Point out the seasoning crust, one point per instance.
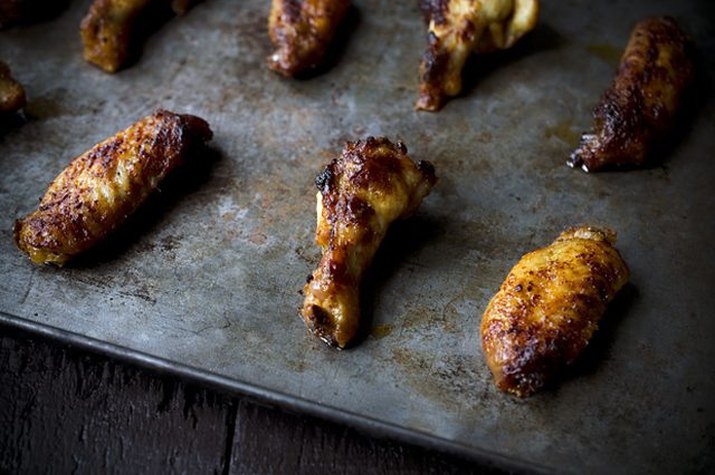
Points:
(102, 187)
(373, 183)
(457, 28)
(548, 308)
(640, 106)
(302, 31)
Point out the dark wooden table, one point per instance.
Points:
(67, 410)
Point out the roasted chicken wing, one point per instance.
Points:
(12, 94)
(459, 27)
(301, 31)
(372, 184)
(640, 106)
(548, 308)
(102, 187)
(108, 29)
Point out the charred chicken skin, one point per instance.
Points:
(102, 187)
(12, 94)
(301, 31)
(107, 30)
(458, 28)
(548, 308)
(640, 106)
(372, 184)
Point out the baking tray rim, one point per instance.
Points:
(271, 397)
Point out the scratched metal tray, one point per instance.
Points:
(204, 280)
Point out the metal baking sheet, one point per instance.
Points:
(205, 279)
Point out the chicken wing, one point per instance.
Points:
(12, 94)
(108, 29)
(102, 187)
(372, 184)
(548, 308)
(301, 31)
(459, 27)
(640, 106)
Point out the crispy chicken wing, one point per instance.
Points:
(12, 94)
(459, 27)
(372, 184)
(107, 30)
(301, 31)
(640, 106)
(13, 12)
(102, 187)
(548, 308)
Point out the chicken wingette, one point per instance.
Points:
(640, 107)
(12, 94)
(107, 30)
(548, 308)
(302, 31)
(102, 187)
(457, 28)
(373, 183)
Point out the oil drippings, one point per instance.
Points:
(606, 52)
(563, 131)
(381, 331)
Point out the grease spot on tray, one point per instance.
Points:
(606, 52)
(449, 380)
(381, 331)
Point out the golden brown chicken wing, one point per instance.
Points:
(102, 187)
(459, 27)
(548, 308)
(12, 94)
(369, 186)
(640, 106)
(107, 30)
(301, 31)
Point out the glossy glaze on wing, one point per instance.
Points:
(548, 308)
(372, 184)
(301, 31)
(102, 187)
(640, 106)
(457, 28)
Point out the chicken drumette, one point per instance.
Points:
(372, 184)
(459, 27)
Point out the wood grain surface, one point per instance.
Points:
(65, 410)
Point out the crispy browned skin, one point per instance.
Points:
(639, 108)
(459, 27)
(108, 28)
(548, 308)
(369, 186)
(301, 31)
(12, 94)
(102, 187)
